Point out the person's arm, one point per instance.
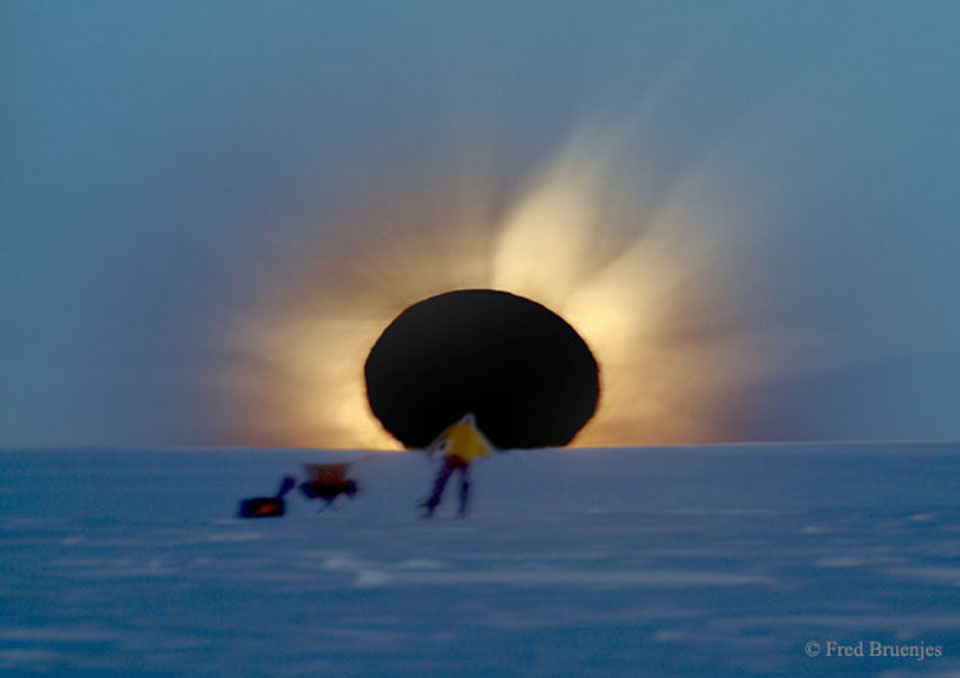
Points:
(438, 445)
(490, 447)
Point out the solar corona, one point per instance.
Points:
(566, 311)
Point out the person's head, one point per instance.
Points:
(468, 418)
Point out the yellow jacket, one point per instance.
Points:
(463, 441)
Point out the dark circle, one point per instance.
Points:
(520, 368)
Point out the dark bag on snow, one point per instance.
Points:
(267, 507)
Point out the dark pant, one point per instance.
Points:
(450, 464)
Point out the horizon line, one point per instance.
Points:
(612, 446)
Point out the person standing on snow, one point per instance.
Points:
(460, 444)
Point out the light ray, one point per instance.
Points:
(636, 285)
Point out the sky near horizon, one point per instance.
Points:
(166, 167)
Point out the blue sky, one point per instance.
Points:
(152, 153)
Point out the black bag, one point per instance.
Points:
(267, 507)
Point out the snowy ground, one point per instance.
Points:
(704, 562)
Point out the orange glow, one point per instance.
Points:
(642, 287)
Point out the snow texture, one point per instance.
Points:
(705, 562)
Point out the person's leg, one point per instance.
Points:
(464, 489)
(438, 486)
